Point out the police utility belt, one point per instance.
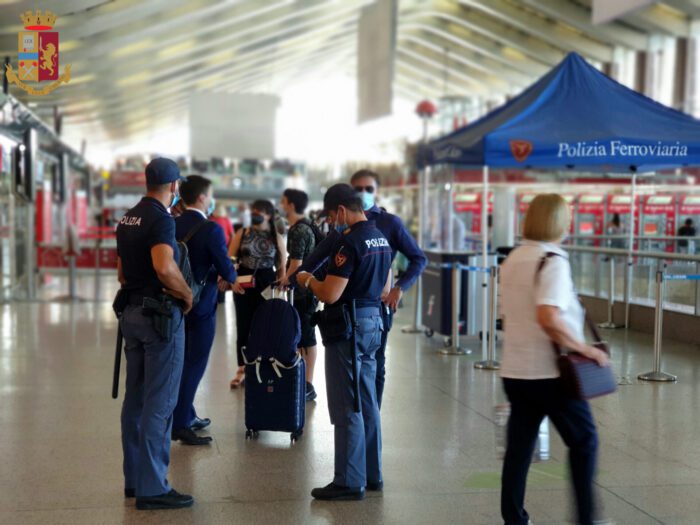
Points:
(159, 308)
(337, 322)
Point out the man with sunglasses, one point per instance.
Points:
(366, 183)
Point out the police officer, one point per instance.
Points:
(366, 183)
(209, 259)
(153, 328)
(357, 278)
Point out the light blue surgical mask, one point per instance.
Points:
(212, 207)
(176, 199)
(341, 227)
(368, 200)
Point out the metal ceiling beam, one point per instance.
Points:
(464, 59)
(558, 36)
(476, 44)
(476, 21)
(661, 19)
(183, 64)
(580, 18)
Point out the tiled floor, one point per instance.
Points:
(61, 456)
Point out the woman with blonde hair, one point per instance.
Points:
(540, 306)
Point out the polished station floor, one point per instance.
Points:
(61, 454)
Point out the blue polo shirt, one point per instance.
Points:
(363, 256)
(400, 240)
(144, 226)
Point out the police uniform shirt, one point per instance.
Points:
(144, 226)
(363, 256)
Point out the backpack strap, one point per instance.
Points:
(193, 231)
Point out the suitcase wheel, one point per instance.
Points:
(296, 435)
(429, 332)
(251, 434)
(447, 341)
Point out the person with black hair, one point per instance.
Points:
(687, 230)
(261, 256)
(208, 253)
(366, 184)
(301, 241)
(351, 326)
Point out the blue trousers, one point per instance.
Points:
(530, 401)
(358, 436)
(153, 369)
(388, 320)
(199, 338)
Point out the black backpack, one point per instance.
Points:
(186, 267)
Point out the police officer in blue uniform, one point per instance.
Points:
(351, 327)
(209, 259)
(366, 183)
(151, 303)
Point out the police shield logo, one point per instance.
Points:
(520, 149)
(340, 259)
(37, 54)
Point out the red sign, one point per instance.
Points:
(48, 56)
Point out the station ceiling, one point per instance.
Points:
(134, 63)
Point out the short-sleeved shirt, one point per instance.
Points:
(144, 226)
(363, 256)
(301, 241)
(527, 351)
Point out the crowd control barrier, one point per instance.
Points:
(657, 374)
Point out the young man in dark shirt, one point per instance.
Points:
(301, 241)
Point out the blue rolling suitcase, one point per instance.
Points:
(275, 373)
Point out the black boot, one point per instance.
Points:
(337, 492)
(171, 500)
(188, 437)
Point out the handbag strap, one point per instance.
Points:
(589, 322)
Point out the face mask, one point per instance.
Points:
(176, 199)
(212, 207)
(256, 219)
(368, 200)
(340, 226)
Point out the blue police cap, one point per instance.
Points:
(162, 171)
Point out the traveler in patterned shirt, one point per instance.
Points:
(261, 255)
(301, 241)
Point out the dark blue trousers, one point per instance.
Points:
(388, 320)
(199, 338)
(153, 367)
(531, 400)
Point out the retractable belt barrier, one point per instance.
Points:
(457, 268)
(656, 374)
(460, 266)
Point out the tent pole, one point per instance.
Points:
(630, 247)
(450, 211)
(484, 263)
(424, 176)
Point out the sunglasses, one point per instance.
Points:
(367, 189)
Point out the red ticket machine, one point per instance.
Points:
(689, 208)
(622, 205)
(468, 208)
(589, 220)
(658, 219)
(44, 213)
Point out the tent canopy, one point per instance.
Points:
(574, 117)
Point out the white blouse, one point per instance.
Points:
(527, 352)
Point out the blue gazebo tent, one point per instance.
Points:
(577, 118)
